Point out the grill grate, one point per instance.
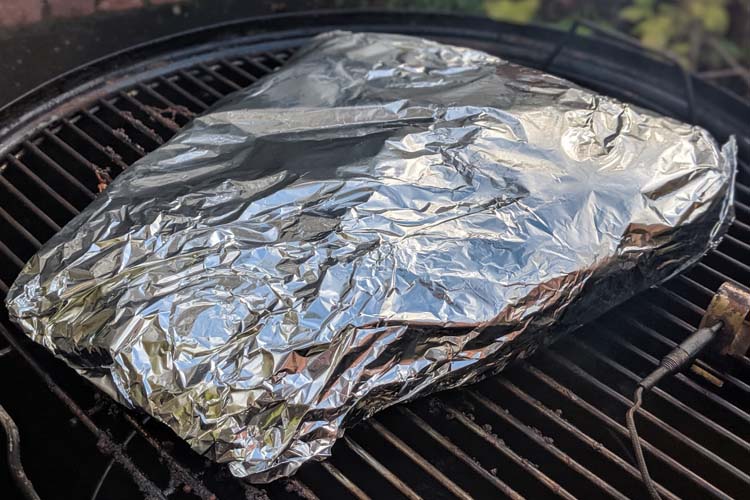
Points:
(552, 426)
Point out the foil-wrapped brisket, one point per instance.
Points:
(382, 218)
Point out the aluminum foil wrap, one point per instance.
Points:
(382, 218)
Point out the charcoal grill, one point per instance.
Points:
(553, 426)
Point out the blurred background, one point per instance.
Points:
(42, 38)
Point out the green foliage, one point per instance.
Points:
(713, 14)
(695, 31)
(518, 11)
(467, 6)
(678, 26)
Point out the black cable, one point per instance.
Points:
(681, 356)
(14, 456)
(639, 458)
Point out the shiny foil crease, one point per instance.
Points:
(382, 218)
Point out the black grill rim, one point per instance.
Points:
(69, 91)
(715, 109)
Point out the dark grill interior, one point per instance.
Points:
(552, 426)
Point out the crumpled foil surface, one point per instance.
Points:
(382, 218)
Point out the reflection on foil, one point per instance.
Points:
(382, 218)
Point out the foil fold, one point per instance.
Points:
(381, 218)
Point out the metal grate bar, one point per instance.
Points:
(226, 81)
(299, 488)
(30, 238)
(38, 212)
(105, 443)
(658, 311)
(698, 308)
(85, 191)
(543, 442)
(200, 73)
(169, 104)
(164, 100)
(742, 226)
(250, 67)
(257, 64)
(679, 299)
(200, 84)
(739, 246)
(460, 454)
(148, 111)
(401, 486)
(669, 344)
(691, 290)
(743, 189)
(692, 284)
(680, 438)
(418, 459)
(234, 68)
(183, 474)
(718, 276)
(278, 59)
(553, 487)
(580, 436)
(690, 411)
(194, 100)
(674, 300)
(103, 150)
(78, 157)
(741, 232)
(741, 269)
(119, 136)
(12, 257)
(653, 450)
(541, 377)
(16, 163)
(152, 139)
(743, 211)
(109, 466)
(666, 315)
(344, 481)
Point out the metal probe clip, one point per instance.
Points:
(724, 329)
(730, 307)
